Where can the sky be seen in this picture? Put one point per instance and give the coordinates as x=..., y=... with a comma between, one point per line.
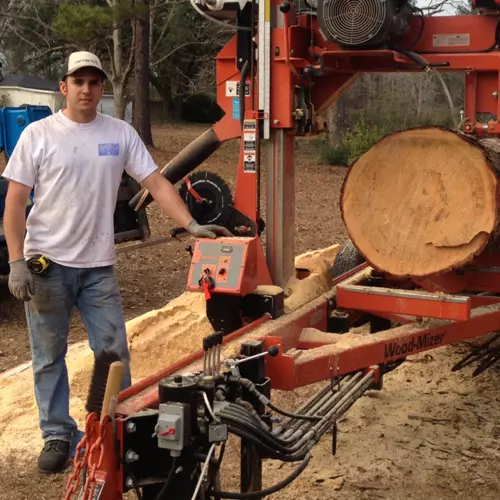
x=449, y=7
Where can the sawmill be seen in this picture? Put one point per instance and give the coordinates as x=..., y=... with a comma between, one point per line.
x=420, y=269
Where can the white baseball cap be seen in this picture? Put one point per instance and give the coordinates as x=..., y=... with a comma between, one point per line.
x=79, y=60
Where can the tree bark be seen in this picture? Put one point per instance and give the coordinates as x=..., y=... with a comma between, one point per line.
x=120, y=74
x=119, y=100
x=141, y=115
x=423, y=201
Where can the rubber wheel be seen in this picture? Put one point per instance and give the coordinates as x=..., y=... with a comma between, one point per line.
x=346, y=259
x=218, y=207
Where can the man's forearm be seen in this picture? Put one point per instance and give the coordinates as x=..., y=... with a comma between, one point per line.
x=14, y=226
x=172, y=205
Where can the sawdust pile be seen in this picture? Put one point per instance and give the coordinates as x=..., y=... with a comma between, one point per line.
x=156, y=340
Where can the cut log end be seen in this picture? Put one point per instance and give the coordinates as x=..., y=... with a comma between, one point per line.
x=422, y=201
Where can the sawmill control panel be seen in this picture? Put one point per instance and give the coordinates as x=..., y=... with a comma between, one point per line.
x=218, y=265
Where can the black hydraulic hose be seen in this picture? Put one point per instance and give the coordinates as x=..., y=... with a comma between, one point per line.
x=303, y=409
x=169, y=479
x=245, y=419
x=253, y=415
x=267, y=449
x=346, y=401
x=265, y=437
x=333, y=407
x=416, y=59
x=323, y=405
x=311, y=418
x=289, y=442
x=242, y=404
x=288, y=445
x=268, y=491
x=250, y=386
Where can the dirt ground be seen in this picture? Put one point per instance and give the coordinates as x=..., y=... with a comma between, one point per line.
x=429, y=433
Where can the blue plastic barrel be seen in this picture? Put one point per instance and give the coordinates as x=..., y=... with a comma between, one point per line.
x=13, y=120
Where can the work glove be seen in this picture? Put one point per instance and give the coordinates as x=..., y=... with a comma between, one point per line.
x=208, y=231
x=21, y=280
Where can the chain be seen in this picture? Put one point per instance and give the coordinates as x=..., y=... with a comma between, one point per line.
x=98, y=446
x=79, y=460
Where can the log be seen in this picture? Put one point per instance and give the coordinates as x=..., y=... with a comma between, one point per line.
x=423, y=201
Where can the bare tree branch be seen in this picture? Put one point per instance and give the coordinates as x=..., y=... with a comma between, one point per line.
x=40, y=55
x=179, y=47
x=164, y=29
x=130, y=64
x=168, y=3
x=111, y=58
x=13, y=29
x=25, y=18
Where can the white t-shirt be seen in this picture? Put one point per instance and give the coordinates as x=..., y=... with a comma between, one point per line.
x=75, y=170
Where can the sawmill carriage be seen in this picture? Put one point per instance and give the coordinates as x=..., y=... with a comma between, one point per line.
x=421, y=267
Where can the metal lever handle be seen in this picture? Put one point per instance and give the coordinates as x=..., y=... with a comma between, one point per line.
x=272, y=351
x=212, y=347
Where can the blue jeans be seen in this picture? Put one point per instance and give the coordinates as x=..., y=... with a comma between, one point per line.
x=95, y=294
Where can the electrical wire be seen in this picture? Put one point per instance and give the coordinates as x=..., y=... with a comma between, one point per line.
x=168, y=480
x=209, y=408
x=422, y=25
x=217, y=21
x=267, y=491
x=424, y=64
x=446, y=91
x=203, y=472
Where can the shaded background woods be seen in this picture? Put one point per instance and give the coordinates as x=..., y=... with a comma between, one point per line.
x=160, y=56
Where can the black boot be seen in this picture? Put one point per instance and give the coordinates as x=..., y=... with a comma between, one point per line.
x=54, y=456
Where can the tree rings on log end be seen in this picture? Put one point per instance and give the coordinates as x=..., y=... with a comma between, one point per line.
x=422, y=201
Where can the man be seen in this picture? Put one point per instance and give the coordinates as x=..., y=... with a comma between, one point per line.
x=74, y=160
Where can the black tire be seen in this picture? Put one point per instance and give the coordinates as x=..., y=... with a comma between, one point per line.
x=214, y=189
x=346, y=259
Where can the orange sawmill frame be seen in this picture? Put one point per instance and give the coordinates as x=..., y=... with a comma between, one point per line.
x=427, y=320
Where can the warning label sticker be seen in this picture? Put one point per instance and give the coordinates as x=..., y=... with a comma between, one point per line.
x=249, y=162
x=96, y=495
x=249, y=147
x=249, y=125
x=452, y=40
x=233, y=88
x=249, y=143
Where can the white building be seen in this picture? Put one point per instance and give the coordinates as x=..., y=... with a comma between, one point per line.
x=33, y=90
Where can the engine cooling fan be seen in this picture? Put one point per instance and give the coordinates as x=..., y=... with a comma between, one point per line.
x=355, y=23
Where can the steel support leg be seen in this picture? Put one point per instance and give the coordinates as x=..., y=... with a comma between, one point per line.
x=251, y=469
x=280, y=220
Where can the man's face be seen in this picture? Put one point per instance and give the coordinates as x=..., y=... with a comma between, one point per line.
x=83, y=90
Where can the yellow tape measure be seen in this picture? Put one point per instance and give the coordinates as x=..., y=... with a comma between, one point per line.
x=38, y=264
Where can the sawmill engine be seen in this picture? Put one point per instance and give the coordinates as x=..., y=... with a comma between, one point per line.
x=363, y=23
